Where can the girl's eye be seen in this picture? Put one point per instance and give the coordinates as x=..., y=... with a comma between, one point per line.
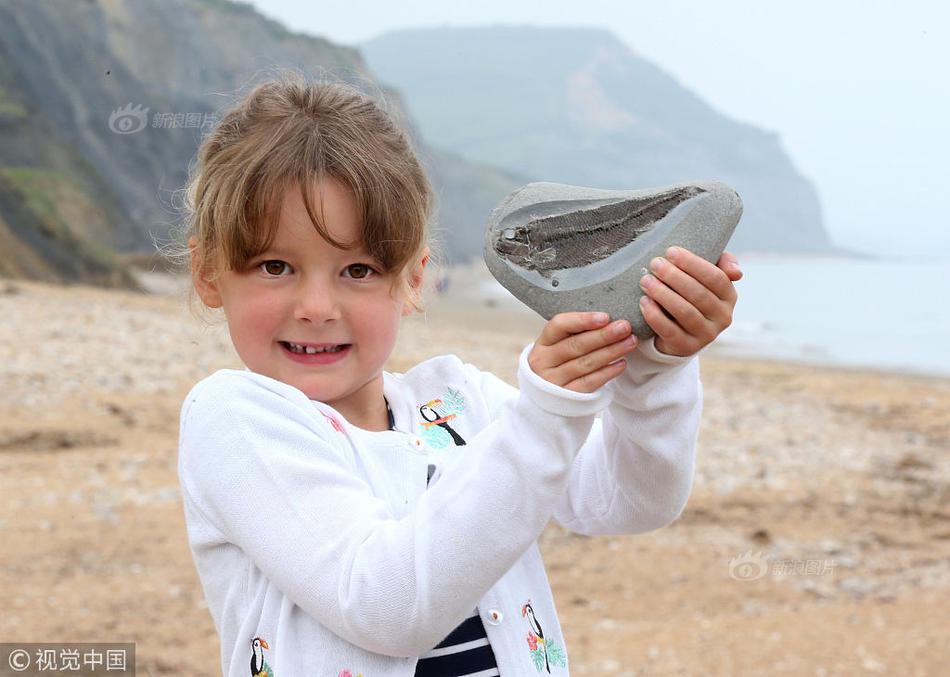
x=361, y=270
x=272, y=267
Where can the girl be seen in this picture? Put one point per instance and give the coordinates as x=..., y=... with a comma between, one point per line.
x=349, y=521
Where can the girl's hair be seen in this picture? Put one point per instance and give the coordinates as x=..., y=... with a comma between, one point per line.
x=293, y=131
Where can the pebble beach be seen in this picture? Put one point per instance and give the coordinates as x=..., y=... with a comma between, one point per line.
x=816, y=540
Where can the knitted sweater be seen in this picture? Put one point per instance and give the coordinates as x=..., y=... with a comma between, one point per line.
x=322, y=552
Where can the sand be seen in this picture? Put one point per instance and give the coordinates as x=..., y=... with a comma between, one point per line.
x=833, y=484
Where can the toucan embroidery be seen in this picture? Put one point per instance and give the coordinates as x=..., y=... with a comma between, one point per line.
x=436, y=415
x=259, y=667
x=544, y=652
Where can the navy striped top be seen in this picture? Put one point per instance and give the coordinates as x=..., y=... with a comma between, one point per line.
x=465, y=652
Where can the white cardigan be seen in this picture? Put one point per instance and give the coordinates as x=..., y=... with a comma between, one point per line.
x=321, y=541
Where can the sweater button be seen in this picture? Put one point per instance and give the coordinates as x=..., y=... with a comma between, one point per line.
x=495, y=616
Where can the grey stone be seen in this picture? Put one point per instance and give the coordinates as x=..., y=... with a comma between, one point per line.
x=560, y=248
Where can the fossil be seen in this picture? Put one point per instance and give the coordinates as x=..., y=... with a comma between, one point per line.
x=559, y=248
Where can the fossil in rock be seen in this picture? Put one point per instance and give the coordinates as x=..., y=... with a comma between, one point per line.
x=559, y=248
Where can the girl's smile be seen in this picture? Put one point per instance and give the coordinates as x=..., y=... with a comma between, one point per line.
x=326, y=354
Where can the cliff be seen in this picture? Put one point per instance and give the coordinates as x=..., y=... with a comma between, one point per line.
x=576, y=105
x=103, y=104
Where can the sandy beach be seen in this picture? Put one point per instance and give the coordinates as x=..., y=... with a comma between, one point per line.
x=816, y=540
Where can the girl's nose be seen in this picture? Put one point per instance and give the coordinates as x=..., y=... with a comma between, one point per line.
x=317, y=302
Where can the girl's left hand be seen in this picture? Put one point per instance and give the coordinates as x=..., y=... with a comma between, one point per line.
x=689, y=302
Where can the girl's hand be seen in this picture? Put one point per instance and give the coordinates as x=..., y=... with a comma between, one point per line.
x=690, y=301
x=575, y=350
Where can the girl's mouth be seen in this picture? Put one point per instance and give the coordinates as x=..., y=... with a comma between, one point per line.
x=325, y=357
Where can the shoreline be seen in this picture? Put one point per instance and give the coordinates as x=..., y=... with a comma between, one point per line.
x=719, y=353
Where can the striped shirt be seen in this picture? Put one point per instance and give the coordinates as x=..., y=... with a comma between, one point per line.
x=465, y=652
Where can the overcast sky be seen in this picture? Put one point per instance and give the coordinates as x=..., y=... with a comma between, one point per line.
x=858, y=91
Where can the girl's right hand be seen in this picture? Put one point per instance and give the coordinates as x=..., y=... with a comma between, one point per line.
x=576, y=349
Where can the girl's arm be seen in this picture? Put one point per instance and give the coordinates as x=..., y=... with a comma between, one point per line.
x=634, y=472
x=255, y=462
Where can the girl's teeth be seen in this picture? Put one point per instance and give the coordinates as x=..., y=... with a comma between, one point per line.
x=310, y=350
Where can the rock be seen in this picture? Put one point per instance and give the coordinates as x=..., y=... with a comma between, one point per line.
x=831, y=547
x=560, y=248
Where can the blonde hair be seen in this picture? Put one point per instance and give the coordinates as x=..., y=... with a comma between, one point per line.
x=291, y=130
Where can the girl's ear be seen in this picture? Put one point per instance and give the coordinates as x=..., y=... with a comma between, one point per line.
x=416, y=277
x=207, y=289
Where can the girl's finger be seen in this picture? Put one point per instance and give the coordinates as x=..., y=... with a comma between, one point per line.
x=591, y=382
x=687, y=286
x=591, y=362
x=586, y=343
x=564, y=325
x=660, y=322
x=730, y=265
x=681, y=311
x=710, y=276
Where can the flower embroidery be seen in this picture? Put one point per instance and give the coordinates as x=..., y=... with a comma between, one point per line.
x=347, y=673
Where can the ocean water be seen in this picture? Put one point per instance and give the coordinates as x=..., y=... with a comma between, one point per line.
x=885, y=314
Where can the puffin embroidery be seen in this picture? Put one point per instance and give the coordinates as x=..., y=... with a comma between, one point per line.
x=259, y=667
x=544, y=652
x=436, y=415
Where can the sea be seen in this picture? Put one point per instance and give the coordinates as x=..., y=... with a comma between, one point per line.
x=886, y=314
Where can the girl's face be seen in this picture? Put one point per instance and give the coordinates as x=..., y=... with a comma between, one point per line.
x=304, y=290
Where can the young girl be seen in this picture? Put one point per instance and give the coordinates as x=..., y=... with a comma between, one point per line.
x=349, y=521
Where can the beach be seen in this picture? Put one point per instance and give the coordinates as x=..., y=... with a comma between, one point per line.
x=816, y=540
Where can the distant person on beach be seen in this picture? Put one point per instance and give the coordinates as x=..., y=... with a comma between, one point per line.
x=345, y=520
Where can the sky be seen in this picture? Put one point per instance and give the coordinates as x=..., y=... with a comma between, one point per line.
x=857, y=90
